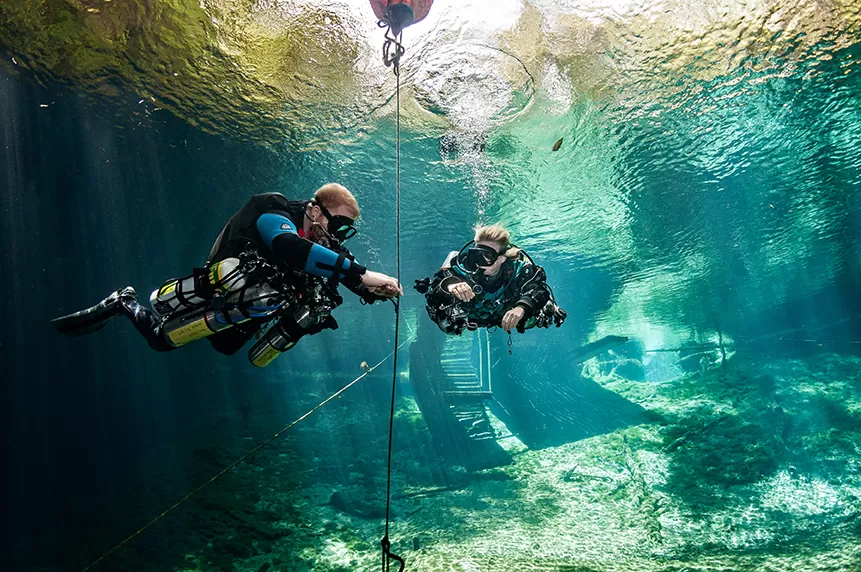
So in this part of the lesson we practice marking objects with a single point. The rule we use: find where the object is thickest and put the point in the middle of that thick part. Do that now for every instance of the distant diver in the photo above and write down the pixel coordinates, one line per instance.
(490, 283)
(273, 272)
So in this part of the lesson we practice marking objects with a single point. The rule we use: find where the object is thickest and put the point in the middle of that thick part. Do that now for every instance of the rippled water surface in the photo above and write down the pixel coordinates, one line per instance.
(709, 155)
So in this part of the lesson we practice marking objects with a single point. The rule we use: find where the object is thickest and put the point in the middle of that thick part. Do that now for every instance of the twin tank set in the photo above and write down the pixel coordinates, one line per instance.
(200, 305)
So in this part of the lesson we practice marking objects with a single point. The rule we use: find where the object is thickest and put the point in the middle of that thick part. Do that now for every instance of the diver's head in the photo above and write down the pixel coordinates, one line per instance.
(492, 248)
(331, 214)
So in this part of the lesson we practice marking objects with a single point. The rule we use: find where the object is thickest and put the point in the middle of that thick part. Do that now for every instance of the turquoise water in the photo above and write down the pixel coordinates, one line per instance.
(703, 202)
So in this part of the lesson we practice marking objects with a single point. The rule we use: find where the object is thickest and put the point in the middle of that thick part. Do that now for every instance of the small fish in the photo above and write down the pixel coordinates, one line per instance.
(365, 367)
(558, 144)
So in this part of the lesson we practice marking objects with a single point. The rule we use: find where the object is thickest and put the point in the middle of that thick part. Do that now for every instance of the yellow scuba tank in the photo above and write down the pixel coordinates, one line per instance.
(312, 316)
(253, 302)
(184, 293)
(277, 340)
(282, 336)
(211, 300)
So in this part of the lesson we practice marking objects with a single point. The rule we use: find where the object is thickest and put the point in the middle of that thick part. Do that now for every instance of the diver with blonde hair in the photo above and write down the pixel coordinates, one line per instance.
(490, 283)
(272, 273)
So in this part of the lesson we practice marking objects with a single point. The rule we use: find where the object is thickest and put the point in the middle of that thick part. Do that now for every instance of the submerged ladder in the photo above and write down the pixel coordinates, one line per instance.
(452, 386)
(467, 387)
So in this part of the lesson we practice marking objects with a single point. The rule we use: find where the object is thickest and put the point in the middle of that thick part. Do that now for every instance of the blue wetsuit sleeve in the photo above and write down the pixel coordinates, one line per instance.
(279, 235)
(270, 225)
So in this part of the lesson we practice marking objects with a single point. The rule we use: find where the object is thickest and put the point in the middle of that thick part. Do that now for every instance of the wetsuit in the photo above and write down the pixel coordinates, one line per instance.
(518, 283)
(271, 225)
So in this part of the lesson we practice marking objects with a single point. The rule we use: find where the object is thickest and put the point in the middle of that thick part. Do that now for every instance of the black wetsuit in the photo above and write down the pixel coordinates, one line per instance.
(284, 244)
(518, 283)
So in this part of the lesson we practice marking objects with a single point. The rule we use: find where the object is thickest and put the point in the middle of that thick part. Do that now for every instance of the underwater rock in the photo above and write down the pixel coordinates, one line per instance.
(492, 475)
(422, 541)
(625, 361)
(359, 505)
(238, 547)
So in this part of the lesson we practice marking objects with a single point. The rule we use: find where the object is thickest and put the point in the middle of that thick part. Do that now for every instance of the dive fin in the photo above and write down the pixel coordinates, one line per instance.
(95, 317)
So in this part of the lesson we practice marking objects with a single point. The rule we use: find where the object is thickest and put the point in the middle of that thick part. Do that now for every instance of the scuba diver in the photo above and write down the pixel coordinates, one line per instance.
(490, 283)
(273, 273)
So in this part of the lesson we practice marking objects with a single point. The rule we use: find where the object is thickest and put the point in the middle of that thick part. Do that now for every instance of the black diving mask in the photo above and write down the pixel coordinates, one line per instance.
(340, 226)
(481, 255)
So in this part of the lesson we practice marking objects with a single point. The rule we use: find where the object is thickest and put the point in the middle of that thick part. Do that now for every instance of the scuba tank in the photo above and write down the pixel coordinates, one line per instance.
(197, 289)
(277, 339)
(259, 301)
(311, 317)
(215, 298)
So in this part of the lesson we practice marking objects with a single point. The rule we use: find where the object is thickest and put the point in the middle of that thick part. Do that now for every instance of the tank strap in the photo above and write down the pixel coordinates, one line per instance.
(180, 295)
(201, 282)
(198, 289)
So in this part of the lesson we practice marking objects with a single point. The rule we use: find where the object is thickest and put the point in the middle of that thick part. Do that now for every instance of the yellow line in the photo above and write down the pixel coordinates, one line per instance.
(230, 467)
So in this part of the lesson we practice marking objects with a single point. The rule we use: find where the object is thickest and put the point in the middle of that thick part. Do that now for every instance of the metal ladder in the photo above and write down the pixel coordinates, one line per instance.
(467, 389)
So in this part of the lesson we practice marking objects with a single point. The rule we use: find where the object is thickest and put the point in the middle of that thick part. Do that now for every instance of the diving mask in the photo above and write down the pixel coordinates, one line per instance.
(481, 255)
(340, 226)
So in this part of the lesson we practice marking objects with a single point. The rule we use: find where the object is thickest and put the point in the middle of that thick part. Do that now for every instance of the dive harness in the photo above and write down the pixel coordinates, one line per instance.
(452, 316)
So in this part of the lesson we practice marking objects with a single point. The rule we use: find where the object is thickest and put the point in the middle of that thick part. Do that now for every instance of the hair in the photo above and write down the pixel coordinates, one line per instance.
(499, 234)
(333, 195)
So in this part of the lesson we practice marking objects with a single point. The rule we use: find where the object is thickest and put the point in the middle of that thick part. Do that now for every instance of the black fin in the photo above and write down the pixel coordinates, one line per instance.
(93, 318)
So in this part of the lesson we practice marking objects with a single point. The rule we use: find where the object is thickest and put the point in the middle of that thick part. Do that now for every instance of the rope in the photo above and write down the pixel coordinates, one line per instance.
(392, 48)
(392, 52)
(394, 61)
(244, 457)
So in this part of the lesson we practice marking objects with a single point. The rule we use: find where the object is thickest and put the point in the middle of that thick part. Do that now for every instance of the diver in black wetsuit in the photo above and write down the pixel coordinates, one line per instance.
(490, 283)
(275, 259)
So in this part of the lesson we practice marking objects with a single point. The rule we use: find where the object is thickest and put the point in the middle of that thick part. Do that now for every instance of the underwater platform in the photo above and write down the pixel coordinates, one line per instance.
(473, 406)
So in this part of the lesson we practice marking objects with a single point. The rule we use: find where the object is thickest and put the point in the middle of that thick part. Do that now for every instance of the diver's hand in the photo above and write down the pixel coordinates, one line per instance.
(381, 285)
(461, 291)
(512, 318)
